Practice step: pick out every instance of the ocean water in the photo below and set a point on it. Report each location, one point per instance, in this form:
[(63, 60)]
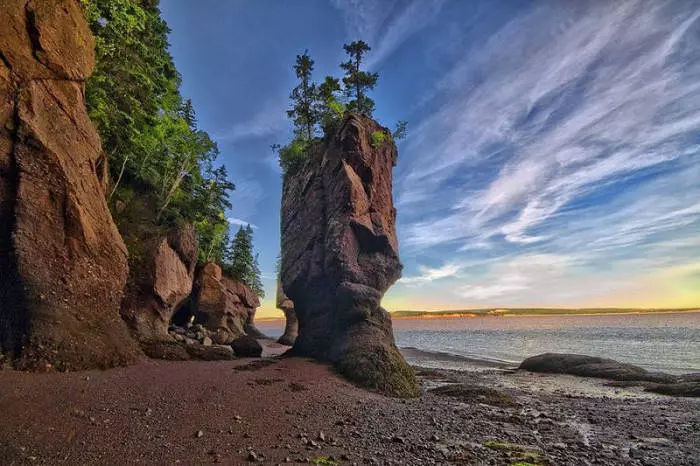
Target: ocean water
[(659, 342)]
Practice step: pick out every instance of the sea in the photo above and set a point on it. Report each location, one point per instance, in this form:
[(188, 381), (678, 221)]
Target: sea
[(668, 342)]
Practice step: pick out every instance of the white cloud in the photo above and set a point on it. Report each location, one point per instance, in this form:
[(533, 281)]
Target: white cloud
[(428, 274), (576, 100), (271, 119), (240, 222)]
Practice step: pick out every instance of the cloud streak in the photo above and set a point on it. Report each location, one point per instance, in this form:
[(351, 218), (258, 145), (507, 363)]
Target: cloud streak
[(388, 24), (568, 130)]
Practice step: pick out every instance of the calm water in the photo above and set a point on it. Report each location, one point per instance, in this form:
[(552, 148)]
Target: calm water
[(665, 342)]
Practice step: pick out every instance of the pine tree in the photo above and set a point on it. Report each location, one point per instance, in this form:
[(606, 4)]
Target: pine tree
[(241, 264), (329, 108), (358, 82), (303, 111)]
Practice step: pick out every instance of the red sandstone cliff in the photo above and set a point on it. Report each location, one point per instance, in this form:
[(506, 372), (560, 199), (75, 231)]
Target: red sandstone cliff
[(62, 262)]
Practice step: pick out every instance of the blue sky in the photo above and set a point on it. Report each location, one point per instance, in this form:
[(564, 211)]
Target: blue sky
[(553, 156)]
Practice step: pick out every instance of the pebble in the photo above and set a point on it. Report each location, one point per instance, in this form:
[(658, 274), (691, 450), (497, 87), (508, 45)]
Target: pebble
[(199, 434)]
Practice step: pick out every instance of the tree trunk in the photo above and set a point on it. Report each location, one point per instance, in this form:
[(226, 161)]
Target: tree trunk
[(119, 178)]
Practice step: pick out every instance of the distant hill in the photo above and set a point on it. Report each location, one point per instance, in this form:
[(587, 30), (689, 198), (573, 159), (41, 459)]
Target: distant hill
[(534, 312)]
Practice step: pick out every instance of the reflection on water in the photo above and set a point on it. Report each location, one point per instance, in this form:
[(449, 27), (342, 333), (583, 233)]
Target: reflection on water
[(665, 342)]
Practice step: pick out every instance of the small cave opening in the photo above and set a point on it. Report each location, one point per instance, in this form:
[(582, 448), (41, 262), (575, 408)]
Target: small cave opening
[(185, 314)]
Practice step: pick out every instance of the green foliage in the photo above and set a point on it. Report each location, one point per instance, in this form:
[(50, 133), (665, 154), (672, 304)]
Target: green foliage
[(326, 104), (378, 138), (400, 130), (292, 155), (240, 263), (358, 82), (329, 107), (304, 111), (149, 134)]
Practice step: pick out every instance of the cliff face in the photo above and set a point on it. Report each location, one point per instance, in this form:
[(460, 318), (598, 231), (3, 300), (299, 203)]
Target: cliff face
[(62, 262), (340, 255)]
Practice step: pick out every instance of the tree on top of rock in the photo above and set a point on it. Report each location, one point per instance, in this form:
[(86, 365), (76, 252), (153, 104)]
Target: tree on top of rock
[(303, 111), (329, 107), (358, 82), (241, 264)]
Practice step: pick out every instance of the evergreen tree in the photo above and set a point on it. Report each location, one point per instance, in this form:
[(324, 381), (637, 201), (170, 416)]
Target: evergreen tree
[(157, 154), (303, 111), (241, 264), (356, 81), (329, 108)]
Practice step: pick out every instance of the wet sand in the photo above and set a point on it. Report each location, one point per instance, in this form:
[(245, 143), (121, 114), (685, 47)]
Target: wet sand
[(278, 411)]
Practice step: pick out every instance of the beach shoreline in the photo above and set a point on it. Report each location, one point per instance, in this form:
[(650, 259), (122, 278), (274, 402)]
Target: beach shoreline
[(195, 412)]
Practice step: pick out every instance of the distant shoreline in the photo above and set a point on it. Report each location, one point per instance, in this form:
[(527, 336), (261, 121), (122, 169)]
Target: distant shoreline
[(533, 313)]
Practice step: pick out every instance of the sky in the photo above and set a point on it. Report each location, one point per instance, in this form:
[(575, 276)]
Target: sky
[(553, 149)]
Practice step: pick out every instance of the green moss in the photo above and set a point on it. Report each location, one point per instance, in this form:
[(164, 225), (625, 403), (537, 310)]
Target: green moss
[(380, 368), (525, 456), (325, 460), (378, 138)]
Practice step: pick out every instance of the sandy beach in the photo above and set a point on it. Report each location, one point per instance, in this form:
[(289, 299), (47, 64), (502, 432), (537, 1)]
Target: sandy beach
[(290, 410)]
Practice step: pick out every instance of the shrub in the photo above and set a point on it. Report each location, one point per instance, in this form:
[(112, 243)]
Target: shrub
[(378, 138), (292, 155)]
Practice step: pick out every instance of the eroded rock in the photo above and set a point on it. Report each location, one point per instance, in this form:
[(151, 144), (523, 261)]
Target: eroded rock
[(291, 326), (340, 254), (63, 264), (160, 282), (590, 366), (222, 305)]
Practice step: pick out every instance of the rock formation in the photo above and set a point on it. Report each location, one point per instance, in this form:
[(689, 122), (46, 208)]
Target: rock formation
[(247, 347), (222, 305), (340, 254), (291, 327), (160, 282), (63, 264)]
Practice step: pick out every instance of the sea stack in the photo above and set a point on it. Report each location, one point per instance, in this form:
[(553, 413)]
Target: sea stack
[(340, 255), (63, 264)]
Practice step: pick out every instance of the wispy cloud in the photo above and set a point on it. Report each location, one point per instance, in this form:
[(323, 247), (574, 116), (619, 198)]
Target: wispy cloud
[(386, 25), (583, 107), (569, 130), (271, 119), (429, 274), (240, 222)]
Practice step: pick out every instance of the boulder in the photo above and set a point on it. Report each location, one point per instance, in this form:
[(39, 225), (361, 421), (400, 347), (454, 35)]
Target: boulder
[(291, 327), (247, 347), (340, 255), (159, 283), (63, 265), (589, 366), (689, 389), (224, 306)]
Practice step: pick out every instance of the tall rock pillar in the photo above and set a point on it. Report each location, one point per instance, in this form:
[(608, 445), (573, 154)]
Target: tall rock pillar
[(340, 255), (63, 264)]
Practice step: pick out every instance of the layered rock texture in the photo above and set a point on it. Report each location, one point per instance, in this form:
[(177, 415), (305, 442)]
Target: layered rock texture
[(291, 327), (223, 306), (63, 264), (160, 282), (340, 255)]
